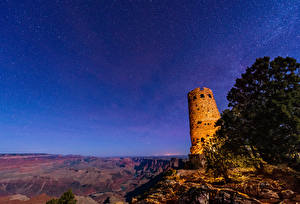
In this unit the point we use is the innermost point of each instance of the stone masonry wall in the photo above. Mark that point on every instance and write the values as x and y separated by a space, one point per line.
203 113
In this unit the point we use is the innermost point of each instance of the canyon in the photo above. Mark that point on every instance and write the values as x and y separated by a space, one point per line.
44 176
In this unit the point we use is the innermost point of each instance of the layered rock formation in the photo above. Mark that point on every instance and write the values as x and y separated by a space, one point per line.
98 178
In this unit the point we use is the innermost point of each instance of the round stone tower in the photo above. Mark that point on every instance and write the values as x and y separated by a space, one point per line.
203 114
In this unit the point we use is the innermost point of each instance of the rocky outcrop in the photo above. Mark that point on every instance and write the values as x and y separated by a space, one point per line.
206 194
152 167
196 186
85 200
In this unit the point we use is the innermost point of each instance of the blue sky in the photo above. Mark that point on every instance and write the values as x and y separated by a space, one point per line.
110 78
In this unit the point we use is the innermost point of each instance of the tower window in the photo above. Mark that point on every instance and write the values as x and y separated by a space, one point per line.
202 95
209 95
199 122
194 98
202 139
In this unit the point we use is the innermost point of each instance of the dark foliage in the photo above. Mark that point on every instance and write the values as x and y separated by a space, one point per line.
264 119
218 160
66 198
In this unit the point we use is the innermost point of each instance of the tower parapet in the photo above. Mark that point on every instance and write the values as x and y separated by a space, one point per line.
203 113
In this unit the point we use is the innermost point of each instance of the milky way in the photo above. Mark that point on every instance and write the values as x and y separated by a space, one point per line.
111 77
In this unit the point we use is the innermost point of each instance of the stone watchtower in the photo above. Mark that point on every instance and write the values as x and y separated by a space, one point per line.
203 113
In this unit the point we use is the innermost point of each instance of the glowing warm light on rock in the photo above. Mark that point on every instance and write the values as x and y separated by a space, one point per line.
203 113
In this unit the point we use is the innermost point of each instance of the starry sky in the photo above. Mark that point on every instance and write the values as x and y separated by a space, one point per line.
110 78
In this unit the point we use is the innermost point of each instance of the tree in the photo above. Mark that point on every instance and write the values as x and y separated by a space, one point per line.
66 198
218 160
264 119
52 201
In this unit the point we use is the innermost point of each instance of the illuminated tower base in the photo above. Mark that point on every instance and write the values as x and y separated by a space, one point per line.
203 113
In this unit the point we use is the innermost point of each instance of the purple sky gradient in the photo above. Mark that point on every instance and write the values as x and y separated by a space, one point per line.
110 78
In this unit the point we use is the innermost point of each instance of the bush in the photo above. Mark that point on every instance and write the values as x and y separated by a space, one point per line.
66 198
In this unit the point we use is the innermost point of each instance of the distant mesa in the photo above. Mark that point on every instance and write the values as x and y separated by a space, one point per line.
92 179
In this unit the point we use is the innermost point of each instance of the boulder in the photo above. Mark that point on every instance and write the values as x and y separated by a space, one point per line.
287 194
267 193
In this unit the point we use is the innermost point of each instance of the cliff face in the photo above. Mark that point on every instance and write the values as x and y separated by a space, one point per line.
151 167
195 186
140 180
98 178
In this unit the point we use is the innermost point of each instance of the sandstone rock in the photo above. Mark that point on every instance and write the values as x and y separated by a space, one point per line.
267 193
19 197
287 193
84 200
170 182
265 185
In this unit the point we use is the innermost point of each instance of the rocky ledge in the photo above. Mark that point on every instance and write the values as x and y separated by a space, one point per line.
274 185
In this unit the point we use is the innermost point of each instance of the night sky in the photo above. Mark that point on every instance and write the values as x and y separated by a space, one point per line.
110 78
